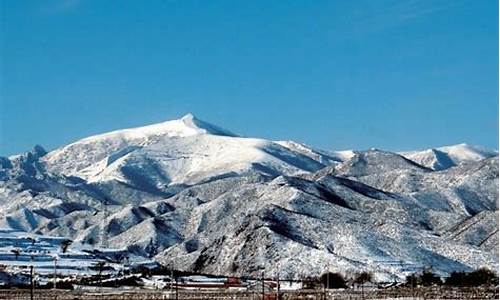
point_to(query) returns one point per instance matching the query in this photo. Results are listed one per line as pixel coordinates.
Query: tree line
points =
(426, 277)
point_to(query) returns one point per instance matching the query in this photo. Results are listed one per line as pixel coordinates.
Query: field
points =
(116, 294)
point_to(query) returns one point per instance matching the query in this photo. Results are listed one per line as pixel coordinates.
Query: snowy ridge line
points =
(191, 194)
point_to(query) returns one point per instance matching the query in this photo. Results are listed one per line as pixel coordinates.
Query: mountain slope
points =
(301, 224)
(193, 195)
(71, 159)
(466, 189)
(184, 151)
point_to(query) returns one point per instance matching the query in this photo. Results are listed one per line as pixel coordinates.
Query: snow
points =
(448, 156)
(40, 251)
(185, 126)
(190, 194)
(183, 151)
(74, 156)
(463, 152)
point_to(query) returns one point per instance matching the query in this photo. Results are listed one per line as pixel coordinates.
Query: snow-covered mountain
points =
(446, 157)
(184, 151)
(199, 197)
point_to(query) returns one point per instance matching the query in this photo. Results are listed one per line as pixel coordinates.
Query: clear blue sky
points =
(394, 75)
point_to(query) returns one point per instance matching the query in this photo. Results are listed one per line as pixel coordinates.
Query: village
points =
(41, 267)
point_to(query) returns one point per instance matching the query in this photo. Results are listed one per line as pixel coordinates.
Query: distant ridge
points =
(448, 156)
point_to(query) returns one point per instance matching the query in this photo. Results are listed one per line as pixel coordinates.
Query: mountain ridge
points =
(189, 193)
(444, 157)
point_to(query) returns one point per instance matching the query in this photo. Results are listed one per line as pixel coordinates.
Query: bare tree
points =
(100, 266)
(362, 278)
(16, 252)
(65, 245)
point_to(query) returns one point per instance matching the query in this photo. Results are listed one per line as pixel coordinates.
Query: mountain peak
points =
(192, 122)
(123, 141)
(200, 126)
(188, 117)
(186, 126)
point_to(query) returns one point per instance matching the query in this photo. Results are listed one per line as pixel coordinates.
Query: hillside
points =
(190, 194)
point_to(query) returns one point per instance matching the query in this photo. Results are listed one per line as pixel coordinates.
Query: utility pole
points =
(32, 285)
(326, 285)
(324, 289)
(104, 243)
(278, 281)
(55, 271)
(176, 289)
(263, 292)
(171, 280)
(176, 282)
(101, 267)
